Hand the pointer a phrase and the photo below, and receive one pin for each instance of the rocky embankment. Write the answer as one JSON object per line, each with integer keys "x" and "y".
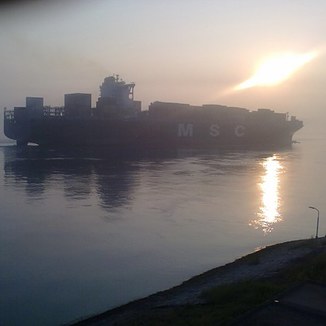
{"x": 264, "y": 263}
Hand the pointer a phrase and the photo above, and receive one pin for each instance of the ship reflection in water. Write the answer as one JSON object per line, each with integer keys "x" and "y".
{"x": 269, "y": 186}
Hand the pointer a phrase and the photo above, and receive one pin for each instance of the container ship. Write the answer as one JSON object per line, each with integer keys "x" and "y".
{"x": 117, "y": 121}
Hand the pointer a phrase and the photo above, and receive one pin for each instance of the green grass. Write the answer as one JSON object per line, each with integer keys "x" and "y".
{"x": 223, "y": 303}
{"x": 311, "y": 269}
{"x": 235, "y": 298}
{"x": 226, "y": 302}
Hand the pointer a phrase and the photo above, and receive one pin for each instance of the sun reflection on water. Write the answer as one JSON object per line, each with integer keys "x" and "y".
{"x": 269, "y": 210}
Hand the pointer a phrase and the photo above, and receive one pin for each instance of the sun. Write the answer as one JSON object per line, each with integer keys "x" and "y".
{"x": 277, "y": 69}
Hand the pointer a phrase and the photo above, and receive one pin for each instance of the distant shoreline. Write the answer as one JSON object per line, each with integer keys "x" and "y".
{"x": 258, "y": 265}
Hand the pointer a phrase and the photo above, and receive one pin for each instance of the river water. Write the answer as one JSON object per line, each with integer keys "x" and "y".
{"x": 82, "y": 232}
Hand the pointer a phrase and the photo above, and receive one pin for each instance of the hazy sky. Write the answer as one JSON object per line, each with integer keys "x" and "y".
{"x": 174, "y": 50}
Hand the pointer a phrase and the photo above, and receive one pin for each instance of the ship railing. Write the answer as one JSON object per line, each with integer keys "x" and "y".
{"x": 9, "y": 114}
{"x": 49, "y": 111}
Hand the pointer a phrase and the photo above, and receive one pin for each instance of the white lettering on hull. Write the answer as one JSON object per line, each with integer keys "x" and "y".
{"x": 214, "y": 130}
{"x": 239, "y": 131}
{"x": 185, "y": 129}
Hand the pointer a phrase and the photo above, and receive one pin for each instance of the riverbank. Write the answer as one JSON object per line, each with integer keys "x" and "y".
{"x": 197, "y": 295}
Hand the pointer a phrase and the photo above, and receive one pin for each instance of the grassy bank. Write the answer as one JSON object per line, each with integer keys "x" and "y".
{"x": 222, "y": 304}
{"x": 226, "y": 302}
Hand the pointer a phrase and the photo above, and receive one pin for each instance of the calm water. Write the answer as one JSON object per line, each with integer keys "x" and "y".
{"x": 79, "y": 235}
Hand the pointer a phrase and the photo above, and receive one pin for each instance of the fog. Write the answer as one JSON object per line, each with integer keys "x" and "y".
{"x": 185, "y": 51}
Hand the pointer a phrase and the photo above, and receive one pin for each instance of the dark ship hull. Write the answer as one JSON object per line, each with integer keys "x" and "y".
{"x": 117, "y": 124}
{"x": 142, "y": 133}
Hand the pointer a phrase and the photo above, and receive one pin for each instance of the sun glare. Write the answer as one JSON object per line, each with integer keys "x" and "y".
{"x": 269, "y": 211}
{"x": 277, "y": 69}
